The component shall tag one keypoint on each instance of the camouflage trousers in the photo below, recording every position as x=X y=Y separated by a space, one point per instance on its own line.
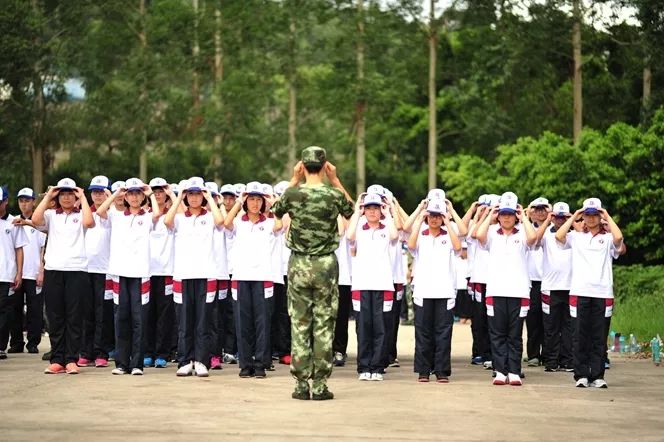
x=313 y=299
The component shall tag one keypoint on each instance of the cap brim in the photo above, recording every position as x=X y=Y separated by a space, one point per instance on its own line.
x=131 y=189
x=372 y=204
x=506 y=210
x=436 y=213
x=97 y=188
x=60 y=189
x=25 y=196
x=591 y=211
x=193 y=189
x=253 y=194
x=562 y=215
x=229 y=193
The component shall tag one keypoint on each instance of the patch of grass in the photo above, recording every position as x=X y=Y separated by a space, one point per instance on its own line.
x=642 y=315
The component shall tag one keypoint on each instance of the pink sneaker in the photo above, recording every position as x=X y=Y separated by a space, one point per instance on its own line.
x=101 y=362
x=215 y=363
x=82 y=362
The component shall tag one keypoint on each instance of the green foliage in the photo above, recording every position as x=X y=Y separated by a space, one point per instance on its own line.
x=639 y=292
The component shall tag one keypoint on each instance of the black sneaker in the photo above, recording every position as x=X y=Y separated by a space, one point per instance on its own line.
x=549 y=369
x=324 y=395
x=46 y=356
x=15 y=350
x=33 y=350
x=301 y=395
x=270 y=368
x=246 y=373
x=260 y=373
x=3 y=354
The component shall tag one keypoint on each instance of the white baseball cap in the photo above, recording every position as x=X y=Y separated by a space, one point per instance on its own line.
x=194 y=184
x=483 y=200
x=539 y=202
x=100 y=182
x=268 y=190
x=437 y=206
x=592 y=205
x=134 y=184
x=239 y=189
x=436 y=194
x=372 y=199
x=26 y=192
x=388 y=194
x=118 y=185
x=66 y=184
x=376 y=188
x=212 y=187
x=227 y=189
x=561 y=209
x=174 y=188
x=492 y=199
x=157 y=182
x=253 y=188
x=281 y=187
x=2 y=194
x=508 y=203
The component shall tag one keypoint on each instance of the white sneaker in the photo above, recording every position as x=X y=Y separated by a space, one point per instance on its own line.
x=365 y=376
x=137 y=372
x=488 y=365
x=599 y=383
x=201 y=370
x=376 y=377
x=500 y=379
x=118 y=371
x=582 y=383
x=514 y=379
x=185 y=370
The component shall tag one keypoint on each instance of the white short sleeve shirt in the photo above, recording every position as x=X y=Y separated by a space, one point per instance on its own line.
x=11 y=238
x=194 y=246
x=556 y=264
x=507 y=266
x=32 y=252
x=252 y=249
x=65 y=248
x=436 y=271
x=372 y=264
x=130 y=244
x=98 y=245
x=161 y=249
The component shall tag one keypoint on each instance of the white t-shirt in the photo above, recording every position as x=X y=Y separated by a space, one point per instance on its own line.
x=480 y=265
x=556 y=265
x=161 y=249
x=65 y=248
x=32 y=252
x=508 y=269
x=372 y=264
x=344 y=260
x=277 y=246
x=436 y=273
x=592 y=266
x=285 y=255
x=396 y=253
x=252 y=249
x=535 y=260
x=461 y=273
x=130 y=243
x=194 y=246
x=98 y=245
x=11 y=238
x=220 y=254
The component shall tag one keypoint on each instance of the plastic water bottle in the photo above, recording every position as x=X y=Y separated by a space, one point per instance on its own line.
x=633 y=345
x=616 y=343
x=654 y=346
x=611 y=342
x=623 y=346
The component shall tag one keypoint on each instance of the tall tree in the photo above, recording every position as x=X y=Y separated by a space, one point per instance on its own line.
x=577 y=17
x=433 y=44
x=360 y=104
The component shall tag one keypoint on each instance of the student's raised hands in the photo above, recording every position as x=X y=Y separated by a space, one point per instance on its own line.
x=52 y=192
x=519 y=212
x=330 y=171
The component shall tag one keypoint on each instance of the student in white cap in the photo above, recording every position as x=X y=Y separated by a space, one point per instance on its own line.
x=226 y=315
x=194 y=282
x=340 y=340
x=464 y=302
x=556 y=282
x=222 y=277
x=66 y=282
x=507 y=288
x=372 y=282
x=479 y=272
x=129 y=263
x=591 y=293
x=160 y=327
x=434 y=250
x=98 y=328
x=538 y=212
x=280 y=332
x=29 y=293
x=11 y=269
x=119 y=202
x=252 y=285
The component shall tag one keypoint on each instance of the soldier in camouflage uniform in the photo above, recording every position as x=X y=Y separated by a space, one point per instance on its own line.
x=313 y=270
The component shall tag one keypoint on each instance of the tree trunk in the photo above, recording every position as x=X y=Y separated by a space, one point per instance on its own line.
x=292 y=99
x=143 y=39
x=578 y=80
x=360 y=104
x=218 y=78
x=38 y=116
x=647 y=87
x=433 y=40
x=195 y=51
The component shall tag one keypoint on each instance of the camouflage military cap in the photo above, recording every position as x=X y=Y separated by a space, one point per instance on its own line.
x=313 y=156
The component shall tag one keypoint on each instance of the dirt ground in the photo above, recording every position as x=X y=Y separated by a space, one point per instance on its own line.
x=159 y=406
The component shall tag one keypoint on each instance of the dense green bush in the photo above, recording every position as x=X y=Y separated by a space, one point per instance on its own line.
x=639 y=305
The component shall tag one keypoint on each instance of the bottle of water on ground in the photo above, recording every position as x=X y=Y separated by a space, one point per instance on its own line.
x=655 y=347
